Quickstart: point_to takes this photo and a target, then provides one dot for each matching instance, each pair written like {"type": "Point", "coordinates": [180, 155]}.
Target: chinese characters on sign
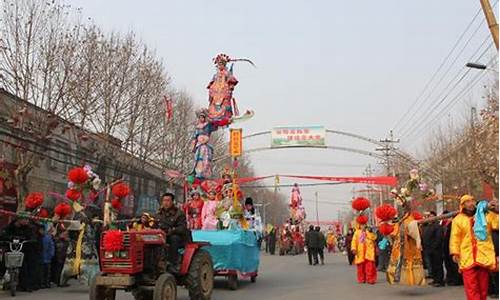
{"type": "Point", "coordinates": [235, 142]}
{"type": "Point", "coordinates": [294, 136]}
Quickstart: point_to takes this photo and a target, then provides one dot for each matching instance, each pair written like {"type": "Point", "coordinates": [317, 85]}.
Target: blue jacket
{"type": "Point", "coordinates": [48, 249]}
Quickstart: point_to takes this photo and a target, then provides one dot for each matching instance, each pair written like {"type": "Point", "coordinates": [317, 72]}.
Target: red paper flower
{"type": "Point", "coordinates": [116, 204]}
{"type": "Point", "coordinates": [73, 194]}
{"type": "Point", "coordinates": [120, 190]}
{"type": "Point", "coordinates": [33, 200]}
{"type": "Point", "coordinates": [386, 212]}
{"type": "Point", "coordinates": [362, 219]}
{"type": "Point", "coordinates": [78, 175]}
{"type": "Point", "coordinates": [43, 213]}
{"type": "Point", "coordinates": [113, 240]}
{"type": "Point", "coordinates": [62, 210]}
{"type": "Point", "coordinates": [385, 228]}
{"type": "Point", "coordinates": [417, 216]}
{"type": "Point", "coordinates": [360, 203]}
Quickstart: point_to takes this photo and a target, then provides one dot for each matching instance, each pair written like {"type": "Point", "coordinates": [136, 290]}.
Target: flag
{"type": "Point", "coordinates": [169, 109]}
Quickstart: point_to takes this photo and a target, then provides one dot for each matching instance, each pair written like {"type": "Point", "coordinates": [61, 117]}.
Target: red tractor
{"type": "Point", "coordinates": [135, 268]}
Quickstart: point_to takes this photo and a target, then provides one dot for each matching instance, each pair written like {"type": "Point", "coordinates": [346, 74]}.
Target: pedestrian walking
{"type": "Point", "coordinates": [321, 244]}
{"type": "Point", "coordinates": [312, 243]}
{"type": "Point", "coordinates": [471, 245]}
{"type": "Point", "coordinates": [272, 240]}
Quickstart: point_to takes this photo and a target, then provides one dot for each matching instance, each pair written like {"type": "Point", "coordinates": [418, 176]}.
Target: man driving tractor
{"type": "Point", "coordinates": [172, 221]}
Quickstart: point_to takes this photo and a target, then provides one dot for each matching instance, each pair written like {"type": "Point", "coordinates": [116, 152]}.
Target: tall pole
{"type": "Point", "coordinates": [317, 212]}
{"type": "Point", "coordinates": [490, 18]}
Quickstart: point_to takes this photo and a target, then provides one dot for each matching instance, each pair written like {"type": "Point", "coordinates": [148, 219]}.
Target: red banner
{"type": "Point", "coordinates": [381, 180]}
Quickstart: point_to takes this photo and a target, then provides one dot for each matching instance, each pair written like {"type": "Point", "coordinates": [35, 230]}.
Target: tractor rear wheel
{"type": "Point", "coordinates": [200, 278]}
{"type": "Point", "coordinates": [165, 288]}
{"type": "Point", "coordinates": [98, 292]}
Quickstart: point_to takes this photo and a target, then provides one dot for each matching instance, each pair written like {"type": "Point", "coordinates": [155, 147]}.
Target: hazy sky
{"type": "Point", "coordinates": [354, 66]}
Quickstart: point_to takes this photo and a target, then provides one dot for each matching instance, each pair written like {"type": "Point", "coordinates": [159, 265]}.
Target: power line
{"type": "Point", "coordinates": [473, 82]}
{"type": "Point", "coordinates": [422, 122]}
{"type": "Point", "coordinates": [412, 127]}
{"type": "Point", "coordinates": [438, 69]}
{"type": "Point", "coordinates": [425, 101]}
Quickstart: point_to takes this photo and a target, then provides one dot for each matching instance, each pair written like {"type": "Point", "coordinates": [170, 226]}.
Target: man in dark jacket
{"type": "Point", "coordinates": [453, 277]}
{"type": "Point", "coordinates": [172, 220]}
{"type": "Point", "coordinates": [312, 243]}
{"type": "Point", "coordinates": [321, 244]}
{"type": "Point", "coordinates": [272, 240]}
{"type": "Point", "coordinates": [434, 250]}
{"type": "Point", "coordinates": [348, 241]}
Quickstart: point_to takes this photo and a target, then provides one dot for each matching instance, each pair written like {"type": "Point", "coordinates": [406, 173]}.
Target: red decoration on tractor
{"type": "Point", "coordinates": [113, 240]}
{"type": "Point", "coordinates": [62, 210]}
{"type": "Point", "coordinates": [120, 190]}
{"type": "Point", "coordinates": [362, 219]}
{"type": "Point", "coordinates": [385, 228]}
{"type": "Point", "coordinates": [386, 212]}
{"type": "Point", "coordinates": [73, 194]}
{"type": "Point", "coordinates": [33, 200]}
{"type": "Point", "coordinates": [360, 203]}
{"type": "Point", "coordinates": [78, 175]}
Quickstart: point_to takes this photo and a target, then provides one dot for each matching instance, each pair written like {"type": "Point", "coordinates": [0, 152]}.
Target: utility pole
{"type": "Point", "coordinates": [491, 20]}
{"type": "Point", "coordinates": [388, 151]}
{"type": "Point", "coordinates": [317, 212]}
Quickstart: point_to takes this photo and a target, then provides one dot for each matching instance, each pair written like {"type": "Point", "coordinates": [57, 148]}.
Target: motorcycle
{"type": "Point", "coordinates": [13, 260]}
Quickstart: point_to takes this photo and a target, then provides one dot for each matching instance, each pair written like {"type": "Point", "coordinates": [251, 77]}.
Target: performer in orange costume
{"type": "Point", "coordinates": [363, 247]}
{"type": "Point", "coordinates": [472, 246]}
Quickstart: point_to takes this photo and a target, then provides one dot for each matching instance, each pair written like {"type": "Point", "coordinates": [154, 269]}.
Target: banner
{"type": "Point", "coordinates": [235, 142]}
{"type": "Point", "coordinates": [382, 180]}
{"type": "Point", "coordinates": [298, 136]}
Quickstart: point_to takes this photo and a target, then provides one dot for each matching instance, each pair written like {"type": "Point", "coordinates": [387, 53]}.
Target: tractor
{"type": "Point", "coordinates": [136, 268]}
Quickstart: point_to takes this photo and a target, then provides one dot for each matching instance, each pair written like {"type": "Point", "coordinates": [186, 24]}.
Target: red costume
{"type": "Point", "coordinates": [193, 210]}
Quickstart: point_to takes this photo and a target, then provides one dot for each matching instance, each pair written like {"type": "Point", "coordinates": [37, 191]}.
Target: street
{"type": "Point", "coordinates": [289, 277]}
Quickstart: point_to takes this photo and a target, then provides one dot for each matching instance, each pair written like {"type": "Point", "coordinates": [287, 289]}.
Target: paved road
{"type": "Point", "coordinates": [289, 278]}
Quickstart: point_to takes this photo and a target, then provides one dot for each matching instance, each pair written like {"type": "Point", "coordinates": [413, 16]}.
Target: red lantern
{"type": "Point", "coordinates": [385, 228]}
{"type": "Point", "coordinates": [120, 190]}
{"type": "Point", "coordinates": [116, 204]}
{"type": "Point", "coordinates": [113, 240]}
{"type": "Point", "coordinates": [33, 200]}
{"type": "Point", "coordinates": [73, 194]}
{"type": "Point", "coordinates": [385, 212]}
{"type": "Point", "coordinates": [360, 203]}
{"type": "Point", "coordinates": [417, 216]}
{"type": "Point", "coordinates": [62, 210]}
{"type": "Point", "coordinates": [43, 213]}
{"type": "Point", "coordinates": [362, 219]}
{"type": "Point", "coordinates": [78, 175]}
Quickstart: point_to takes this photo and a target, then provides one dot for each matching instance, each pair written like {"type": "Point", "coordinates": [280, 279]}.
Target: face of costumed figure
{"type": "Point", "coordinates": [221, 65]}
{"type": "Point", "coordinates": [211, 195]}
{"type": "Point", "coordinates": [196, 197]}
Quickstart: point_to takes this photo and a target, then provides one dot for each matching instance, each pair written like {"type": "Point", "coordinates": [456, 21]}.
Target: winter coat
{"type": "Point", "coordinates": [313, 239]}
{"type": "Point", "coordinates": [48, 251]}
{"type": "Point", "coordinates": [432, 238]}
{"type": "Point", "coordinates": [173, 221]}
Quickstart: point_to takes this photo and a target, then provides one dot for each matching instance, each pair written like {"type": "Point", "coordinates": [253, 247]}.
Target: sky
{"type": "Point", "coordinates": [354, 66]}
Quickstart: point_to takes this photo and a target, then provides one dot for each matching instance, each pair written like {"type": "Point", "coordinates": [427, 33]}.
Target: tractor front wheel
{"type": "Point", "coordinates": [200, 278]}
{"type": "Point", "coordinates": [98, 292]}
{"type": "Point", "coordinates": [165, 288]}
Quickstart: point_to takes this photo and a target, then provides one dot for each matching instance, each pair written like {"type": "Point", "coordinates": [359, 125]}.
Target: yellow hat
{"type": "Point", "coordinates": [466, 198]}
